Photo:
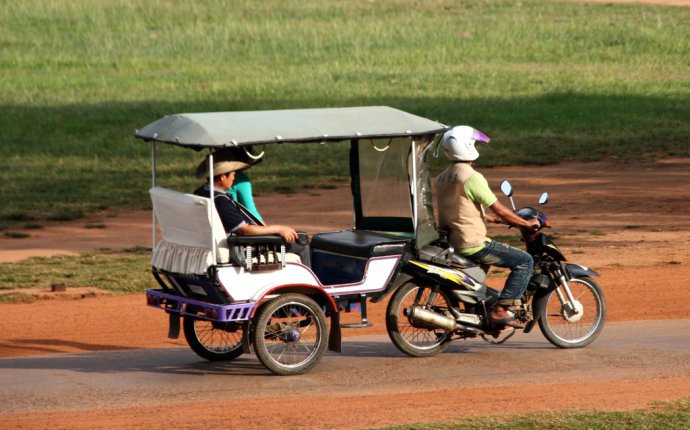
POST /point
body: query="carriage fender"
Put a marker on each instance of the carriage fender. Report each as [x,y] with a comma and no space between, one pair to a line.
[320,296]
[258,287]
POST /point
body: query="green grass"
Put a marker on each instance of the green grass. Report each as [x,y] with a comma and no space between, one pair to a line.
[126,271]
[661,416]
[548,81]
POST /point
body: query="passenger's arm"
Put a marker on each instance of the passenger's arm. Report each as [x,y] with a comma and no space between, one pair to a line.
[288,234]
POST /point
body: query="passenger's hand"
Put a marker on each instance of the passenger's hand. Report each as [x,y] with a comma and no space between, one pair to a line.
[288,234]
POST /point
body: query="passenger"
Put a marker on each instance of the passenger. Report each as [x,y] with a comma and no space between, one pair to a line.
[463,195]
[241,190]
[235,221]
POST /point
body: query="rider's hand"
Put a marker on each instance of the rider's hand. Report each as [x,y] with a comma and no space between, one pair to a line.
[494,219]
[534,224]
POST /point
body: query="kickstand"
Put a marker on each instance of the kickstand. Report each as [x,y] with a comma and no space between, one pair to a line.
[496,340]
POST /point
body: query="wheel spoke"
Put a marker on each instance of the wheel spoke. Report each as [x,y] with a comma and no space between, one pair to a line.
[216,340]
[213,342]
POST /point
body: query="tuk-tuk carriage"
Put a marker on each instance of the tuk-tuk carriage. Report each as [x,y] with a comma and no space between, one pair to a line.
[232,293]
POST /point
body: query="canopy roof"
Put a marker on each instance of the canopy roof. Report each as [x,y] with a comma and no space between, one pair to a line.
[221,129]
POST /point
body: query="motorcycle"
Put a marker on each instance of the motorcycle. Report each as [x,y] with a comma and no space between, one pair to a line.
[444,297]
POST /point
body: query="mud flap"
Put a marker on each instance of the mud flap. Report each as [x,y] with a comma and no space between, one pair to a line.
[335,336]
[530,325]
[173,326]
[538,304]
[246,343]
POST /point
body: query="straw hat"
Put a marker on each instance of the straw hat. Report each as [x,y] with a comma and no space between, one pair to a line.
[224,161]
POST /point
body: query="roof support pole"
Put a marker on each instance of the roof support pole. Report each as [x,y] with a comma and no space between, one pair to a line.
[153,184]
[213,206]
[413,154]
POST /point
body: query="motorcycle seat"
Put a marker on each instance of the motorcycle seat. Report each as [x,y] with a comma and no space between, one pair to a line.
[445,256]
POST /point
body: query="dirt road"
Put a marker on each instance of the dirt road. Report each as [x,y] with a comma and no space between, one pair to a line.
[370,384]
[628,221]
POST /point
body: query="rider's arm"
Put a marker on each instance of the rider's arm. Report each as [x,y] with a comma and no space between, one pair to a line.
[510,218]
[477,189]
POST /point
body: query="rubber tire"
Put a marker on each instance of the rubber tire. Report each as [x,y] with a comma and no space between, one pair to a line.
[261,330]
[203,350]
[597,326]
[397,335]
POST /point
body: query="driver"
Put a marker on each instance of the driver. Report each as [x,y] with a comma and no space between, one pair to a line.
[463,195]
[225,164]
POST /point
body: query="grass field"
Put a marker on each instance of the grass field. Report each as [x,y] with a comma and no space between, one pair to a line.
[548,81]
[661,416]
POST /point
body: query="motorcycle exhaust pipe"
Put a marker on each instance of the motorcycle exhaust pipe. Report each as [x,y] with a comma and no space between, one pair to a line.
[437,320]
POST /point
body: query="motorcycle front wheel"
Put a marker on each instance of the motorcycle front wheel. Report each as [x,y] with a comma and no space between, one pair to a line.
[566,327]
[211,342]
[413,337]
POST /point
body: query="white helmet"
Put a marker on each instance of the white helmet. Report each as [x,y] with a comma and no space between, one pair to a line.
[459,143]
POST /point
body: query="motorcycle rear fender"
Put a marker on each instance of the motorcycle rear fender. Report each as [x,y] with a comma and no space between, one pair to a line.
[576,270]
[445,276]
[466,296]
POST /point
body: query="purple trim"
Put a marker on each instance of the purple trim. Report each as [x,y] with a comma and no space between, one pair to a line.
[211,312]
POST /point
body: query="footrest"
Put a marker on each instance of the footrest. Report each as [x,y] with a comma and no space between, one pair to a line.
[185,306]
[357,325]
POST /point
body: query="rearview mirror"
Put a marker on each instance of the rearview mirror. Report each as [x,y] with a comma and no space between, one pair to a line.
[544,198]
[507,188]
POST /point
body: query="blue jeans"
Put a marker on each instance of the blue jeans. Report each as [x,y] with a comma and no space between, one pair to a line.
[519,262]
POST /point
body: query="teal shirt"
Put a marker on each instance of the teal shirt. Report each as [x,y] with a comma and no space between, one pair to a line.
[241,192]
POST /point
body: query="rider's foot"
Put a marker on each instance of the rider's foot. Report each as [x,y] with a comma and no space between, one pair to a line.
[500,316]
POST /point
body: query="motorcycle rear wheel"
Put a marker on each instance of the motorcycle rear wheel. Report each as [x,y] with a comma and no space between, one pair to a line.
[211,343]
[411,337]
[566,329]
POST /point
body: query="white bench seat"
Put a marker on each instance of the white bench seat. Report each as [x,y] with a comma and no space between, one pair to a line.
[185,222]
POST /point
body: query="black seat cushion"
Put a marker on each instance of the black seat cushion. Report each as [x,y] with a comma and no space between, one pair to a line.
[359,243]
[272,239]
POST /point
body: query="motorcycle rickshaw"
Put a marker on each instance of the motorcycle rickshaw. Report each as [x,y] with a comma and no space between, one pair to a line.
[233,293]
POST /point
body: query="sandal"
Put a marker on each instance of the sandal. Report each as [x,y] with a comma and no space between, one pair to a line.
[501,317]
[510,322]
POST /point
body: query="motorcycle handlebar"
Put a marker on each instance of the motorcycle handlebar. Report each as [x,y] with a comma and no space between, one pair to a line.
[529,214]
